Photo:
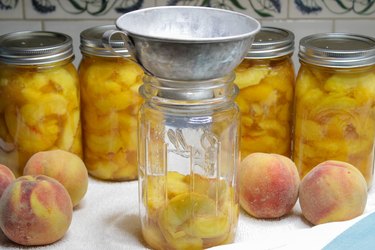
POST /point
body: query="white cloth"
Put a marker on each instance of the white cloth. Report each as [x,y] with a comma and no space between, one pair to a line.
[107,218]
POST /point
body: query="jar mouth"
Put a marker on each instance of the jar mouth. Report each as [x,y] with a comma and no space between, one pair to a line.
[189,93]
[188,84]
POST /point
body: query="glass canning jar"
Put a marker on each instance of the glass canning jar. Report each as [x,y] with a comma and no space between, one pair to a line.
[39,96]
[188,157]
[335,102]
[266,82]
[110,103]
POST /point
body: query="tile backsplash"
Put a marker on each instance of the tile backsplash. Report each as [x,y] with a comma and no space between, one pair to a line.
[303,17]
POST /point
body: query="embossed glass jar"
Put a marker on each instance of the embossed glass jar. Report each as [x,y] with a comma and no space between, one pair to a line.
[39,96]
[335,102]
[266,82]
[110,104]
[188,157]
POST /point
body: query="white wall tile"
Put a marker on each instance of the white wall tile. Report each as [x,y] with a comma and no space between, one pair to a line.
[73,29]
[13,26]
[301,28]
[265,9]
[363,27]
[11,10]
[254,8]
[54,9]
[331,9]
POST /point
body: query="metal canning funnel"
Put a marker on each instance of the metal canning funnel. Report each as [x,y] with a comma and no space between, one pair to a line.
[186,42]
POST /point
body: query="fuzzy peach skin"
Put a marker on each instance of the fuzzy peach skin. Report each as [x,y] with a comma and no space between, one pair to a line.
[35,210]
[332,191]
[63,166]
[268,185]
[6,177]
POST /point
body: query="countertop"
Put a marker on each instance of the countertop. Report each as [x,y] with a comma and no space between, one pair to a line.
[107,218]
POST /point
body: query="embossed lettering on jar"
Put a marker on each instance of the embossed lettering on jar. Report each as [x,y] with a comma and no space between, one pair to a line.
[39,96]
[335,102]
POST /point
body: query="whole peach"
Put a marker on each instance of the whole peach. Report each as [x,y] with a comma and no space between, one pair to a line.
[6,177]
[268,185]
[35,210]
[332,191]
[63,166]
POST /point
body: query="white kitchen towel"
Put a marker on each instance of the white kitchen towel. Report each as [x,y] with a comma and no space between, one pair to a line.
[108,219]
[293,232]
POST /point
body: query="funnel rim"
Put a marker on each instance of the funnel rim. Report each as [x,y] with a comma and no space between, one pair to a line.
[185,39]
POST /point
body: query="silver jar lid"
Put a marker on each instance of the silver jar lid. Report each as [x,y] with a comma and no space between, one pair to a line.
[35,47]
[337,50]
[91,42]
[271,42]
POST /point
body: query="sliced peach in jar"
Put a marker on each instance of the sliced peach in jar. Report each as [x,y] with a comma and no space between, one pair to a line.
[186,216]
[251,76]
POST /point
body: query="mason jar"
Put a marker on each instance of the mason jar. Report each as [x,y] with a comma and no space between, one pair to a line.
[266,82]
[188,157]
[335,102]
[110,102]
[39,96]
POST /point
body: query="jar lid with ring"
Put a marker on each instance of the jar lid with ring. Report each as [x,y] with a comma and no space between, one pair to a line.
[337,50]
[35,47]
[271,42]
[92,43]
